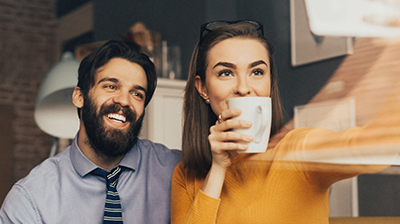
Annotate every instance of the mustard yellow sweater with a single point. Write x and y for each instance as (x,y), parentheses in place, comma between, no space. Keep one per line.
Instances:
(289,183)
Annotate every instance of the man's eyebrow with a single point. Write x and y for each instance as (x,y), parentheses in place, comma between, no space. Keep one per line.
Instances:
(138,87)
(114,80)
(254,64)
(225,64)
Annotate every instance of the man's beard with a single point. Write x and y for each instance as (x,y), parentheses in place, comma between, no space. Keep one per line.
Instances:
(106,141)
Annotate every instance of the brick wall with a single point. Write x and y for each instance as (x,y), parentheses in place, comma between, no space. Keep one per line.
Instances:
(27,43)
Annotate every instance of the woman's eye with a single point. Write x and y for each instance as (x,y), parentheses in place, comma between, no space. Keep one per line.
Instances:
(257,72)
(225,73)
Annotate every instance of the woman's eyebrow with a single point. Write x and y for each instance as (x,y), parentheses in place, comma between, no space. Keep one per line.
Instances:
(225,64)
(254,64)
(231,65)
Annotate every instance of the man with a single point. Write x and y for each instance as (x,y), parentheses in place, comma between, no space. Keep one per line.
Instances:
(115,85)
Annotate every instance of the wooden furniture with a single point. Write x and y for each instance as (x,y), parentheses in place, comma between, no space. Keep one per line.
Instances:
(365,220)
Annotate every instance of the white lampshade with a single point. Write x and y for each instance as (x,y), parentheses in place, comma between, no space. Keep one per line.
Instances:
(354,18)
(55,113)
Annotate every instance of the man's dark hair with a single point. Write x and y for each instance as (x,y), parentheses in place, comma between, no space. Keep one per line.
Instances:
(115,49)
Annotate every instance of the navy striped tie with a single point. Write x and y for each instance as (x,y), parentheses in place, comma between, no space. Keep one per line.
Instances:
(112,209)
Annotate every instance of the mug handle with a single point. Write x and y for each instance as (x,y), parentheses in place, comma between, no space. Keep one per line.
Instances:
(263,110)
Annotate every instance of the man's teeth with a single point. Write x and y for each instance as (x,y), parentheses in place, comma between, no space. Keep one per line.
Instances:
(117,117)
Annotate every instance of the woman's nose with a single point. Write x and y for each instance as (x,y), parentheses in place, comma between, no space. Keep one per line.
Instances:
(242,87)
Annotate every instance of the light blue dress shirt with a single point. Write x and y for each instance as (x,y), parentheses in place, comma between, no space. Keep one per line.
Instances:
(62,190)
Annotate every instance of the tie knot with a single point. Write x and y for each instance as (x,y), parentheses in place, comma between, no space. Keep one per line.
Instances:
(111,177)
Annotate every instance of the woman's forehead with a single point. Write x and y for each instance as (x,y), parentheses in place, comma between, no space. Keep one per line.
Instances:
(238,49)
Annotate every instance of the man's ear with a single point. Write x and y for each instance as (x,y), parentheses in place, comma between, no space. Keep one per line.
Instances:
(201,88)
(77,97)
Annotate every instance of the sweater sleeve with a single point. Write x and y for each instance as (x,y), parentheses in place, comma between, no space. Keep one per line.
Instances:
(329,156)
(190,205)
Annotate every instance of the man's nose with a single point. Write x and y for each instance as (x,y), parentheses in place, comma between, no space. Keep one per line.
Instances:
(122,98)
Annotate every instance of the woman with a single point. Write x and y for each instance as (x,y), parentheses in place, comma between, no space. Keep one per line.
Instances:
(214,184)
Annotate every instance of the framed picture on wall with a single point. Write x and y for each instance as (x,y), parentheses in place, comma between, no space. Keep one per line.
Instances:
(307,47)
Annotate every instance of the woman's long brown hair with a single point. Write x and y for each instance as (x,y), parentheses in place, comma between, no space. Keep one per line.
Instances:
(198,116)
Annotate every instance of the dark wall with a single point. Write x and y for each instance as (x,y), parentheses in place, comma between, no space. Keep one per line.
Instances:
(179,22)
(64,7)
(379,195)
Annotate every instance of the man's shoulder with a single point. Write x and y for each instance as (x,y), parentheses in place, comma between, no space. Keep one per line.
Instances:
(48,169)
(157,147)
(160,150)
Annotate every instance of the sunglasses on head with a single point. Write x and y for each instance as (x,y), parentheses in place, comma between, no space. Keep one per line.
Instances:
(210,26)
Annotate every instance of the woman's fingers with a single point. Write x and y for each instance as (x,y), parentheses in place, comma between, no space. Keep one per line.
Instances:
(224,141)
(232,136)
(228,140)
(226,133)
(218,146)
(222,135)
(230,124)
(228,114)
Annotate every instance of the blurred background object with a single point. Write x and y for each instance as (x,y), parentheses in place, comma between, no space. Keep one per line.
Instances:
(54,112)
(354,18)
(167,59)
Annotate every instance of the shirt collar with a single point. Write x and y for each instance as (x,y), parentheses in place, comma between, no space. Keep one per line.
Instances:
(132,158)
(83,165)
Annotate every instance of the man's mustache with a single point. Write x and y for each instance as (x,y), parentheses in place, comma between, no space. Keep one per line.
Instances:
(115,108)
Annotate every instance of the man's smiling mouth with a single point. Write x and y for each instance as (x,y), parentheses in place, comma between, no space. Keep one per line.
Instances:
(117,117)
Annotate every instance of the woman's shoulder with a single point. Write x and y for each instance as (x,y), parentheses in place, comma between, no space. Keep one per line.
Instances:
(183,173)
(185,177)
(179,168)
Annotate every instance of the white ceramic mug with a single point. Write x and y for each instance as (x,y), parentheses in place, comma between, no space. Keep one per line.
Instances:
(257,110)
